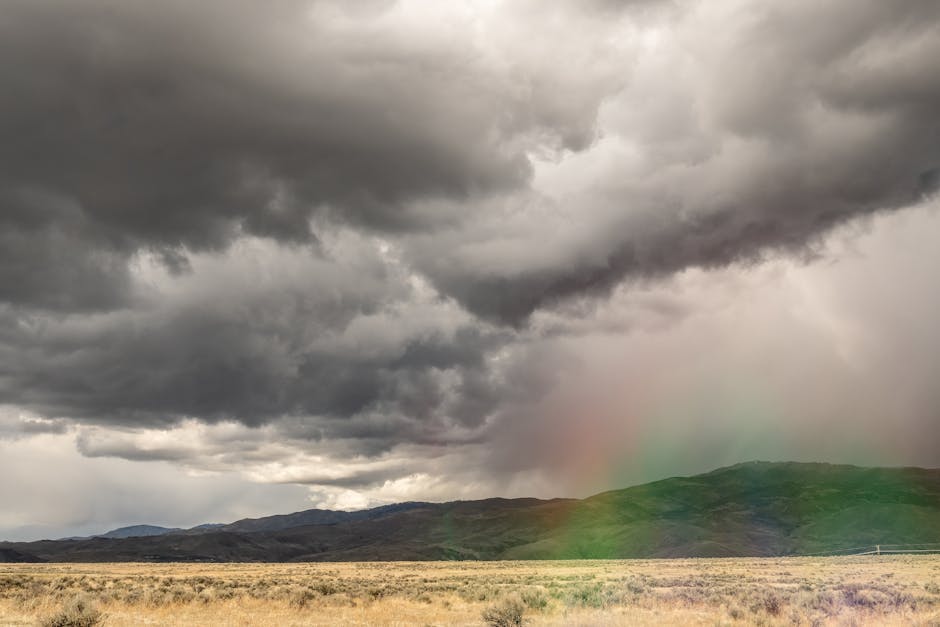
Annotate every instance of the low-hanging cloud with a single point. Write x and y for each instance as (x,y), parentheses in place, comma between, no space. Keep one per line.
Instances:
(257,334)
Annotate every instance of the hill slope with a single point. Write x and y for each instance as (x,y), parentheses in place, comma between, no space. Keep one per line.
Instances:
(138,531)
(749,509)
(315,517)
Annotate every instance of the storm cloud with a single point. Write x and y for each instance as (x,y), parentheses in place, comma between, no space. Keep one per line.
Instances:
(404,249)
(169,127)
(717,149)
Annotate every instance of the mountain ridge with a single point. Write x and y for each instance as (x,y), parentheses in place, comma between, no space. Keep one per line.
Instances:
(749,509)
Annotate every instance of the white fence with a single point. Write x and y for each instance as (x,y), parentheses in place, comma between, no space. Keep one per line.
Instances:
(880,549)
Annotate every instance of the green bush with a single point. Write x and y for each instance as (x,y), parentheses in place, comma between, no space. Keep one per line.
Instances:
(535,599)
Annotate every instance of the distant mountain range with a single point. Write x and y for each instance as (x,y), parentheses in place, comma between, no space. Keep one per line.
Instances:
(134,531)
(250,525)
(751,509)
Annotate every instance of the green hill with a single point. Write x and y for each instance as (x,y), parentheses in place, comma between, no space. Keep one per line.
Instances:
(751,509)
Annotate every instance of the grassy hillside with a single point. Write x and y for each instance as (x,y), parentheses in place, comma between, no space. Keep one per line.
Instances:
(754,509)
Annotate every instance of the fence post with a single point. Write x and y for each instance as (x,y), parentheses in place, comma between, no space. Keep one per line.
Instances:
(878,549)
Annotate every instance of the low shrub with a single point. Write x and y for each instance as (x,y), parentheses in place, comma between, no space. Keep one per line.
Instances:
(535,599)
(78,612)
(507,613)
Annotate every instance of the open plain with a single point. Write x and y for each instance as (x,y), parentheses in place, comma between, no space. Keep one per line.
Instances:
(883,590)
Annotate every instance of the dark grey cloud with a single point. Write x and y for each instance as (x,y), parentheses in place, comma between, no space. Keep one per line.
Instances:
(169,126)
(156,121)
(52,257)
(326,338)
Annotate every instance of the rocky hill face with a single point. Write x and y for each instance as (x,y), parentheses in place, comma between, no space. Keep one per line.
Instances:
(750,509)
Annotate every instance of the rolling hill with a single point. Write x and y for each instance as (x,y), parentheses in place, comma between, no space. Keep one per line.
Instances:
(751,509)
(138,531)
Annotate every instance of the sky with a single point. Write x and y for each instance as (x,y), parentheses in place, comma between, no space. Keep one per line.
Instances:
(263,257)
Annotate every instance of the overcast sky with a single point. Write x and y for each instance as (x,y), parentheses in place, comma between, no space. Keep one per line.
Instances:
(257,257)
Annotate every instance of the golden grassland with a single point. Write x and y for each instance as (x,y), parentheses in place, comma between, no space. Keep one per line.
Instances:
(882,590)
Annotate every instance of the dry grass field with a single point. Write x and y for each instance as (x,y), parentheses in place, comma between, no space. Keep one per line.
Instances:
(898,590)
